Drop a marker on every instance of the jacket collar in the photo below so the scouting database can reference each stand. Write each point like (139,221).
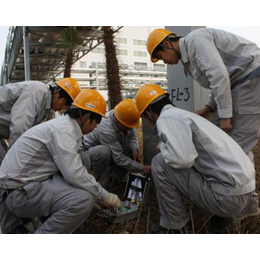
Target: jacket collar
(184,55)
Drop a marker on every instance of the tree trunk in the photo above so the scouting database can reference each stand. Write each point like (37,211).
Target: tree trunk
(113,78)
(68,63)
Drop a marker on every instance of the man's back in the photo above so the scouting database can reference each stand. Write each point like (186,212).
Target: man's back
(22,105)
(192,141)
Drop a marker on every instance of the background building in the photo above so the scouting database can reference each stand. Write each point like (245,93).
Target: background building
(136,69)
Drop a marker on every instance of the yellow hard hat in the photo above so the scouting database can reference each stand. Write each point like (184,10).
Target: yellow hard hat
(70,85)
(146,95)
(126,112)
(91,100)
(154,39)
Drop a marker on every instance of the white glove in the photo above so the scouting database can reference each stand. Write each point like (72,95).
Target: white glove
(113,200)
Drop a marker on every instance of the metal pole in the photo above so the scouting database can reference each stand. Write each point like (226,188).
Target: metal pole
(97,87)
(26,53)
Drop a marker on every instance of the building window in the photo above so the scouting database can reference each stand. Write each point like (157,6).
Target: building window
(82,64)
(122,52)
(101,65)
(98,50)
(121,40)
(159,67)
(140,65)
(140,53)
(139,42)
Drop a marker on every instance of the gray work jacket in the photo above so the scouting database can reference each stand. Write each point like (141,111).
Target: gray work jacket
(22,105)
(108,134)
(189,140)
(44,150)
(218,60)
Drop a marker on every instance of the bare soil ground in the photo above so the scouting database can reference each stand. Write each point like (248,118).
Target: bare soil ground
(149,215)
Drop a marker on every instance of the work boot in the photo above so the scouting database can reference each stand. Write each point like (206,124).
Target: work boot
(20,230)
(218,224)
(161,230)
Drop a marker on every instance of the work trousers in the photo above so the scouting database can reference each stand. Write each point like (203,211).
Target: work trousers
(173,186)
(100,157)
(103,165)
(65,206)
(246,114)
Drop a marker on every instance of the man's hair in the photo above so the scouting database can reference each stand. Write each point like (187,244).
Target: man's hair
(62,94)
(158,106)
(76,113)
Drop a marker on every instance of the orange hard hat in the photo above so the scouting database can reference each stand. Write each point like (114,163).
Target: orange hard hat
(126,112)
(70,85)
(154,39)
(91,100)
(146,95)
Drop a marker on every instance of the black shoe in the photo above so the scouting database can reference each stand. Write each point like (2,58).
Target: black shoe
(218,224)
(20,230)
(161,230)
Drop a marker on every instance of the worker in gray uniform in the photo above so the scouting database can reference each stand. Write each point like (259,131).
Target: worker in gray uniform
(227,64)
(28,103)
(113,146)
(42,173)
(198,161)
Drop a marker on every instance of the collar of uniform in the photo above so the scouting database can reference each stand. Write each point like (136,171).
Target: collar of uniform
(78,131)
(113,119)
(166,107)
(184,56)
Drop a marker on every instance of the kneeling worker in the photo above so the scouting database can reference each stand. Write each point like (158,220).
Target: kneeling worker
(114,145)
(43,175)
(198,161)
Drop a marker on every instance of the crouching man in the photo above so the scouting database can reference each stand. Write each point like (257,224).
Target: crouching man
(43,175)
(113,146)
(198,161)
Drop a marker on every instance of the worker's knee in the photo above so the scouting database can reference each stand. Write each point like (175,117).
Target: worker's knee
(105,151)
(83,202)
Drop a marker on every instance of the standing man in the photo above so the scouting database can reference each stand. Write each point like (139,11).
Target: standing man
(197,161)
(28,103)
(225,63)
(113,146)
(43,175)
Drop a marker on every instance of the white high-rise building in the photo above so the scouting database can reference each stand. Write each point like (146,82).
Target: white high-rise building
(136,68)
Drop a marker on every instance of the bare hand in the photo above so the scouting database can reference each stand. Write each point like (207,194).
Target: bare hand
(225,124)
(204,112)
(146,169)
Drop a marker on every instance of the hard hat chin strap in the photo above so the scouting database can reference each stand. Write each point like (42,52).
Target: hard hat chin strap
(150,115)
(172,48)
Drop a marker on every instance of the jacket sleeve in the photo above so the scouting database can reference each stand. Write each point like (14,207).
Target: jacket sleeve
(210,63)
(24,113)
(133,142)
(177,147)
(64,150)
